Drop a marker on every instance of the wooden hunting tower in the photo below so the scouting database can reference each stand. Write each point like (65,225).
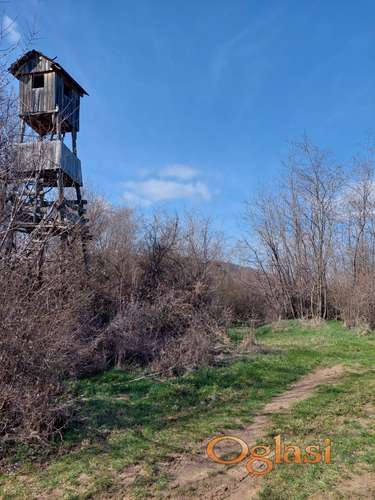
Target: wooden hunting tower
(50,105)
(46,88)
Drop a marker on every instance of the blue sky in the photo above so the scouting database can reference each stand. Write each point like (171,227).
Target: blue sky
(192,103)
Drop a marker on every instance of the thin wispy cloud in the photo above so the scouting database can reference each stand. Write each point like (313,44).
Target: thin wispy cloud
(183,172)
(224,53)
(170,183)
(9,30)
(248,44)
(176,171)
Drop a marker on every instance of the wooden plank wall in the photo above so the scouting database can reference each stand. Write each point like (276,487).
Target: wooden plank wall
(37,100)
(51,95)
(69,106)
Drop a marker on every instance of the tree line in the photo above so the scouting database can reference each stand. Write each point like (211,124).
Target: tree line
(312,238)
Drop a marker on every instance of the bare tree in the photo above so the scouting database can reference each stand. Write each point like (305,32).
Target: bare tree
(295,231)
(354,273)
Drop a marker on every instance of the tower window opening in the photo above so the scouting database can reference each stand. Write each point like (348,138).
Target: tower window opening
(38,81)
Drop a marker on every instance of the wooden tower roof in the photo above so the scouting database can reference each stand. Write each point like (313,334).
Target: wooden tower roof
(16,69)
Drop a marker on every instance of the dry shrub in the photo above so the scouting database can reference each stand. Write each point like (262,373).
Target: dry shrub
(48,333)
(138,331)
(149,297)
(172,320)
(241,289)
(194,348)
(363,329)
(355,299)
(167,333)
(249,343)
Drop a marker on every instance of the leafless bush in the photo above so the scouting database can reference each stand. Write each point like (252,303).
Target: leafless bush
(196,347)
(48,334)
(242,290)
(167,333)
(172,300)
(150,297)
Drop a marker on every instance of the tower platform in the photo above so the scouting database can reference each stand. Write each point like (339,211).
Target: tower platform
(45,160)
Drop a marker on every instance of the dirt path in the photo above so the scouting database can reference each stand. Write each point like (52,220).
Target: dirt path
(355,487)
(195,476)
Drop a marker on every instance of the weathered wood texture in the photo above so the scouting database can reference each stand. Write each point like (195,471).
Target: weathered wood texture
(68,104)
(59,91)
(34,157)
(35,64)
(37,100)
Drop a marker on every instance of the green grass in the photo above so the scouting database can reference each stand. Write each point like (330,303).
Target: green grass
(146,422)
(237,334)
(339,413)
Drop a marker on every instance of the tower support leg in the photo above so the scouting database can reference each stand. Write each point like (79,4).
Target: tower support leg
(82,229)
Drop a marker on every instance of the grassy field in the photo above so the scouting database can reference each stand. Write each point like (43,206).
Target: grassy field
(122,422)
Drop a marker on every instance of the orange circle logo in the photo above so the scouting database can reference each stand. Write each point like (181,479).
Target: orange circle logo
(212,454)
